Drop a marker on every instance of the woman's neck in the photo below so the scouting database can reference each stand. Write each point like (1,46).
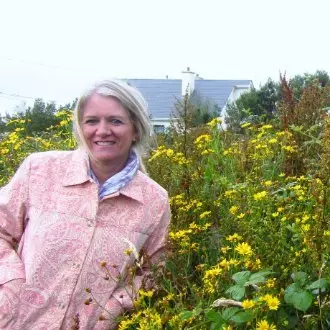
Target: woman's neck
(105,171)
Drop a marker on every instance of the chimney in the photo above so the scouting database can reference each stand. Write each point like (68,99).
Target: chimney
(188,82)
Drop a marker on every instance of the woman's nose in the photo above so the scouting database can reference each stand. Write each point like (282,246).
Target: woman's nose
(103,128)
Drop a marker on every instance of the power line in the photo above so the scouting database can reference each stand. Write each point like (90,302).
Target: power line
(16,95)
(43,64)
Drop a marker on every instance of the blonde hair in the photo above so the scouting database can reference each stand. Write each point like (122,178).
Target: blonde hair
(131,99)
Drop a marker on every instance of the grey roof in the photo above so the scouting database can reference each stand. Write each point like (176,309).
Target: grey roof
(162,94)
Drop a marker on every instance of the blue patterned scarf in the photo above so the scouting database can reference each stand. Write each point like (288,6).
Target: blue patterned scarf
(120,179)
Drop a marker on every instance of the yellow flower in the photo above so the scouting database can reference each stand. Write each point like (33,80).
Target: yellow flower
(233,209)
(268,183)
(306,227)
(147,294)
(270,282)
(289,149)
(169,152)
(228,327)
(233,238)
(63,122)
(225,249)
(229,193)
(214,122)
(204,214)
(207,152)
(305,218)
(272,302)
(225,264)
(240,216)
(203,139)
(244,249)
(260,195)
(264,325)
(266,127)
(245,125)
(247,304)
(128,252)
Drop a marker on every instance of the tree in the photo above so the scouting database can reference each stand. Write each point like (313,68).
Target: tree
(300,82)
(262,105)
(255,105)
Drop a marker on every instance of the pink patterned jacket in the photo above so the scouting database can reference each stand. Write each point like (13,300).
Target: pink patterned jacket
(55,233)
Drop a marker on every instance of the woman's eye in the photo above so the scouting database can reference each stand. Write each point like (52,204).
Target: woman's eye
(116,121)
(90,121)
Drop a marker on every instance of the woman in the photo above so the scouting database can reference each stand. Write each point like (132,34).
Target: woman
(74,224)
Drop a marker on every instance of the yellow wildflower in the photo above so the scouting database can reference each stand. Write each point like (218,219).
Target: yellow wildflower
(289,149)
(260,195)
(266,127)
(214,122)
(233,209)
(204,214)
(270,282)
(240,216)
(228,327)
(272,302)
(233,238)
(229,193)
(225,249)
(128,252)
(247,304)
(244,249)
(147,294)
(264,325)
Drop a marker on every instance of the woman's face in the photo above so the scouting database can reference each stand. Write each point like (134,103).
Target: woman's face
(108,130)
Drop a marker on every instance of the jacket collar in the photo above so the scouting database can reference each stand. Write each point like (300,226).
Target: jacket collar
(134,189)
(77,173)
(77,168)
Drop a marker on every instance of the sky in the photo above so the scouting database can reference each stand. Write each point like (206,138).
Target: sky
(55,49)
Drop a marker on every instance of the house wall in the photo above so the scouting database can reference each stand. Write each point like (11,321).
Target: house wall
(160,125)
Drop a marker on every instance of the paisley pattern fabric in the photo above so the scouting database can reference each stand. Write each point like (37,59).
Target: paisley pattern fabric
(55,233)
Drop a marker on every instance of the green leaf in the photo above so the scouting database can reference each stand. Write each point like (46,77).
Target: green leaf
(258,277)
(299,298)
(241,277)
(300,278)
(185,315)
(242,317)
(215,317)
(321,283)
(228,313)
(236,292)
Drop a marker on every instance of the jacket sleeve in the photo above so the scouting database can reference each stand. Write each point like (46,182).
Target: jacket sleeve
(154,253)
(13,205)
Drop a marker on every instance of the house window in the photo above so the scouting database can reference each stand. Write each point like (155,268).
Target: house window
(158,129)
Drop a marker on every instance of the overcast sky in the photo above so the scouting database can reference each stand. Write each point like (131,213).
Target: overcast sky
(54,49)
